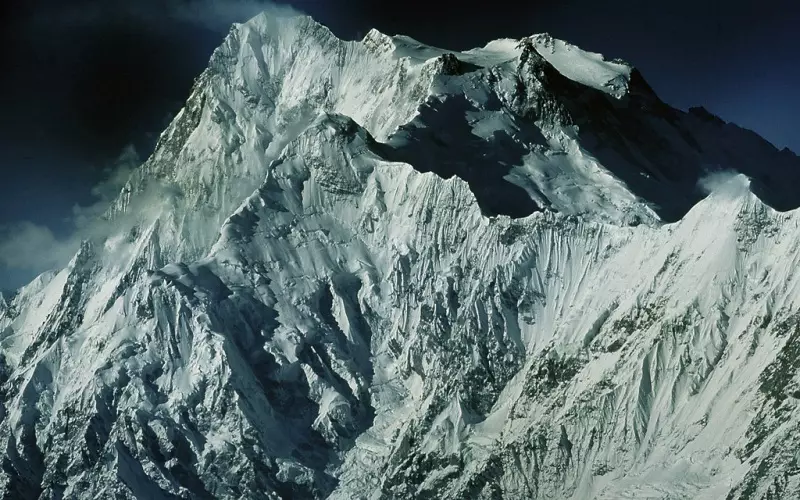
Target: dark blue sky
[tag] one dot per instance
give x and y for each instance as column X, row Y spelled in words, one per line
column 83, row 79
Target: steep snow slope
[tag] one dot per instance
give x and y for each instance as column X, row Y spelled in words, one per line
column 377, row 269
column 587, row 68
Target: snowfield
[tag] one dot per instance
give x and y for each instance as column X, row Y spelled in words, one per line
column 377, row 269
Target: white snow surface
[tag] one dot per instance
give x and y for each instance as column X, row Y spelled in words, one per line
column 374, row 269
column 588, row 68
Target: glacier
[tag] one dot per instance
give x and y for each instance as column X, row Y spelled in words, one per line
column 380, row 269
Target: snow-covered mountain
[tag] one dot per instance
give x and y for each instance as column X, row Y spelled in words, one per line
column 378, row 269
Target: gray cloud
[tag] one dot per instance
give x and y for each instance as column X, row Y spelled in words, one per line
column 27, row 248
column 724, row 182
column 116, row 175
column 220, row 14
column 34, row 247
column 30, row 246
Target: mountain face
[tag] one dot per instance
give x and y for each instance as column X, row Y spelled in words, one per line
column 377, row 269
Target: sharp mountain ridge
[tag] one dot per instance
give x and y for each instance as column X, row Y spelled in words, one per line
column 379, row 269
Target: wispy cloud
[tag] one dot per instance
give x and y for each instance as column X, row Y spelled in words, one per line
column 220, row 14
column 116, row 175
column 724, row 182
column 33, row 247
column 28, row 247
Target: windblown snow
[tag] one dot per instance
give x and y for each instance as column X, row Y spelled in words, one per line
column 378, row 269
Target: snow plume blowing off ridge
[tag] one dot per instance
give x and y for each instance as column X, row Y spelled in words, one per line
column 28, row 246
column 724, row 183
column 220, row 14
column 323, row 306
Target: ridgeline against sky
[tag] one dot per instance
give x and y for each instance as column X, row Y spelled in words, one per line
column 84, row 80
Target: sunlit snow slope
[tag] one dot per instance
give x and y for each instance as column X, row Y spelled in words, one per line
column 378, row 269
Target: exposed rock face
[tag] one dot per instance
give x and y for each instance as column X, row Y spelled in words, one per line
column 379, row 270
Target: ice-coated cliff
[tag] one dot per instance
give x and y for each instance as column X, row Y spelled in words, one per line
column 377, row 269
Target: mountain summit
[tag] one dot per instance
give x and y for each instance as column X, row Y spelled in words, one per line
column 379, row 269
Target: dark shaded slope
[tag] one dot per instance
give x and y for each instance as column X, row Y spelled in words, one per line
column 440, row 140
column 662, row 153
